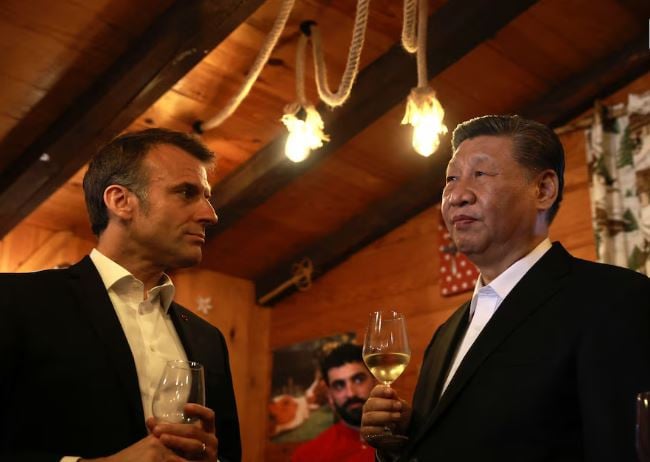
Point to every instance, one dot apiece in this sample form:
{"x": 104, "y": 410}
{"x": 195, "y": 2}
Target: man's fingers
{"x": 150, "y": 423}
{"x": 205, "y": 414}
{"x": 184, "y": 430}
{"x": 382, "y": 391}
{"x": 382, "y": 404}
{"x": 191, "y": 449}
{"x": 370, "y": 431}
{"x": 380, "y": 418}
{"x": 188, "y": 439}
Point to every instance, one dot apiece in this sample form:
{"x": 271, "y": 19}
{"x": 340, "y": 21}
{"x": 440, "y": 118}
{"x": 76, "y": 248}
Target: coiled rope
{"x": 258, "y": 65}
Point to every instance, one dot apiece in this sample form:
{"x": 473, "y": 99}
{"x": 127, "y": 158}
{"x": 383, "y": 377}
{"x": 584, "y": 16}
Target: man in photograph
{"x": 348, "y": 386}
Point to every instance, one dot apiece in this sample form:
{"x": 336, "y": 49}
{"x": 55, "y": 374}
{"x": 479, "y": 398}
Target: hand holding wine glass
{"x": 386, "y": 352}
{"x": 178, "y": 401}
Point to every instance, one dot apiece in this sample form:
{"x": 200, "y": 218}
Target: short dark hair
{"x": 535, "y": 146}
{"x": 343, "y": 354}
{"x": 120, "y": 162}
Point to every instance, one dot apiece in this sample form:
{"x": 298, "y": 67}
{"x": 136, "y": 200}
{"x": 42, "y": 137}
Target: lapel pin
{"x": 185, "y": 317}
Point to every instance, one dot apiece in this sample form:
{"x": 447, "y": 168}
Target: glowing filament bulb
{"x": 304, "y": 135}
{"x": 425, "y": 113}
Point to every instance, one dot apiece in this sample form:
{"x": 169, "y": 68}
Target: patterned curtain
{"x": 618, "y": 157}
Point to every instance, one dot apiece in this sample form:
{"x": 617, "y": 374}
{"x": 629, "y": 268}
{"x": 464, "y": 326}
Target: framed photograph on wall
{"x": 298, "y": 408}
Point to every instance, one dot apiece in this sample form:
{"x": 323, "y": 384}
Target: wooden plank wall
{"x": 400, "y": 271}
{"x": 32, "y": 248}
{"x": 246, "y": 328}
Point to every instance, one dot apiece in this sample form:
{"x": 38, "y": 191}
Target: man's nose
{"x": 461, "y": 193}
{"x": 350, "y": 389}
{"x": 207, "y": 215}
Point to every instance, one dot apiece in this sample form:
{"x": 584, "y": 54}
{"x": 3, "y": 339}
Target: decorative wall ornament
{"x": 457, "y": 273}
{"x": 301, "y": 277}
{"x": 204, "y": 304}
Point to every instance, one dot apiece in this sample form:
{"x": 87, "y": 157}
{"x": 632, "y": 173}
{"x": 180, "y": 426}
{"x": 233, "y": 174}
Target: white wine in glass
{"x": 386, "y": 367}
{"x": 386, "y": 352}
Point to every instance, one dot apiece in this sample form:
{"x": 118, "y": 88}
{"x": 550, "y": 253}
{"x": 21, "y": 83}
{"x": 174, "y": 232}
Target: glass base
{"x": 387, "y": 440}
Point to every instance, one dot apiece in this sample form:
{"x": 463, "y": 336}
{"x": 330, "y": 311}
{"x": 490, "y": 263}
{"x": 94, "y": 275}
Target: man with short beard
{"x": 348, "y": 386}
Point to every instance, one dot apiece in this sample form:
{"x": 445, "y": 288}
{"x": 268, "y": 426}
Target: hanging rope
{"x": 409, "y": 39}
{"x": 423, "y": 110}
{"x": 352, "y": 66}
{"x": 258, "y": 65}
{"x": 302, "y": 120}
{"x": 415, "y": 40}
{"x": 421, "y": 56}
{"x": 300, "y": 62}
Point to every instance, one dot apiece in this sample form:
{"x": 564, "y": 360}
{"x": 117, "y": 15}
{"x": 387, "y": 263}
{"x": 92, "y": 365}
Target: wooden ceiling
{"x": 76, "y": 73}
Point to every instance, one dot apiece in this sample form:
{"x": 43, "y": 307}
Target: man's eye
{"x": 450, "y": 178}
{"x": 188, "y": 193}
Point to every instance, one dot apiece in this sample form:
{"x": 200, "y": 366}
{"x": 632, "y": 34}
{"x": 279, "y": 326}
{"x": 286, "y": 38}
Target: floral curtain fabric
{"x": 618, "y": 157}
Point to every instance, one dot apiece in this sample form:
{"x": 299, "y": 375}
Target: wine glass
{"x": 643, "y": 426}
{"x": 386, "y": 352}
{"x": 182, "y": 382}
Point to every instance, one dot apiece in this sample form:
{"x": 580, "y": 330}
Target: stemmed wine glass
{"x": 182, "y": 382}
{"x": 643, "y": 426}
{"x": 386, "y": 352}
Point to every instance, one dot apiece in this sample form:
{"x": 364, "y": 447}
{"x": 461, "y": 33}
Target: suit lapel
{"x": 437, "y": 364}
{"x": 197, "y": 346}
{"x": 96, "y": 306}
{"x": 531, "y": 293}
{"x": 182, "y": 324}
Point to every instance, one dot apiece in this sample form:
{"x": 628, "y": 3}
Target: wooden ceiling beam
{"x": 169, "y": 48}
{"x": 454, "y": 30}
{"x": 564, "y": 102}
{"x": 577, "y": 95}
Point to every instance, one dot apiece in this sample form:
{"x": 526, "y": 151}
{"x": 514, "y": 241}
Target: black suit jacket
{"x": 552, "y": 377}
{"x": 68, "y": 383}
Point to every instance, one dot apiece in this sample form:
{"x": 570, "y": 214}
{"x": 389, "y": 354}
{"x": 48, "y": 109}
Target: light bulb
{"x": 297, "y": 148}
{"x": 425, "y": 134}
{"x": 304, "y": 135}
{"x": 425, "y": 113}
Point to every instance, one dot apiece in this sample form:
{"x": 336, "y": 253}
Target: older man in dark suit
{"x": 544, "y": 362}
{"x": 83, "y": 348}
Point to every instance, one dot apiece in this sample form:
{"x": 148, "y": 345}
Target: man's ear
{"x": 119, "y": 201}
{"x": 547, "y": 189}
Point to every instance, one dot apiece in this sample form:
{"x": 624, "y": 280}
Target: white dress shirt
{"x": 146, "y": 324}
{"x": 486, "y": 301}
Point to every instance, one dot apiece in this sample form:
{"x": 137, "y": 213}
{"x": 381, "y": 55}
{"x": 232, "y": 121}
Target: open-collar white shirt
{"x": 487, "y": 299}
{"x": 146, "y": 323}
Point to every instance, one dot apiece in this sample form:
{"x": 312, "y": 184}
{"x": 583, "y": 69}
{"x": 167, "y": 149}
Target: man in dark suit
{"x": 544, "y": 362}
{"x": 83, "y": 348}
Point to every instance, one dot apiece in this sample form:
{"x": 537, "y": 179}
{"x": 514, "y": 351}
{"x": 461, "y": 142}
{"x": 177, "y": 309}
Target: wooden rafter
{"x": 562, "y": 103}
{"x": 170, "y": 47}
{"x": 455, "y": 29}
{"x": 575, "y": 96}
